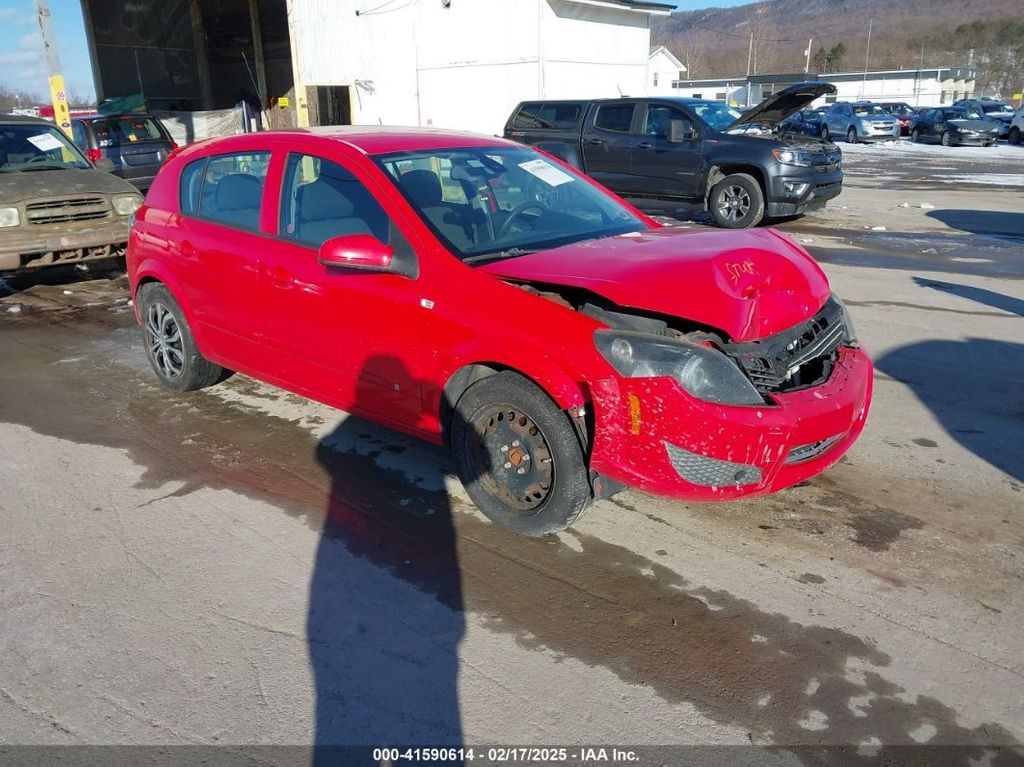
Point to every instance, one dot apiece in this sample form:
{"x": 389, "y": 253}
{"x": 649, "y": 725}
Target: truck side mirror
{"x": 678, "y": 132}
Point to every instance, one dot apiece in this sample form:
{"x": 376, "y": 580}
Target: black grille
{"x": 796, "y": 358}
{"x": 67, "y": 210}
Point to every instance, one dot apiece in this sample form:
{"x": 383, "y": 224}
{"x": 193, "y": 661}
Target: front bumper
{"x": 974, "y": 139}
{"x": 22, "y": 248}
{"x": 652, "y": 435}
{"x": 797, "y": 192}
{"x": 870, "y": 133}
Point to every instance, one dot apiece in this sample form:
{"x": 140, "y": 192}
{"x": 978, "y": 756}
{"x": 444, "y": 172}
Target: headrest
{"x": 423, "y": 186}
{"x": 323, "y": 200}
{"x": 239, "y": 191}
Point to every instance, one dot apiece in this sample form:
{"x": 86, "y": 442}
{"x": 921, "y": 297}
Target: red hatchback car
{"x": 478, "y": 293}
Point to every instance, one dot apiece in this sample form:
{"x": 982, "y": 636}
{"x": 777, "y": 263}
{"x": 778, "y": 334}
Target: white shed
{"x": 663, "y": 69}
{"x": 463, "y": 63}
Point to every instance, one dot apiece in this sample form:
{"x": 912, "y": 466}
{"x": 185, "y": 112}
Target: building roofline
{"x": 656, "y": 49}
{"x": 645, "y": 6}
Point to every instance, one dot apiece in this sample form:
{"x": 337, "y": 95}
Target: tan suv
{"x": 55, "y": 206}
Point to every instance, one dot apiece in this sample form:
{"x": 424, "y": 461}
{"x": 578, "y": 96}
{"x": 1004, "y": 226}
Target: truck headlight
{"x": 792, "y": 157}
{"x": 126, "y": 204}
{"x": 9, "y": 217}
{"x": 703, "y": 372}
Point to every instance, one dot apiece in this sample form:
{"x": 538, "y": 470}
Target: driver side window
{"x": 657, "y": 119}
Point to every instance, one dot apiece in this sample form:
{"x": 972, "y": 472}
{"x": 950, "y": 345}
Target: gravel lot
{"x": 241, "y": 566}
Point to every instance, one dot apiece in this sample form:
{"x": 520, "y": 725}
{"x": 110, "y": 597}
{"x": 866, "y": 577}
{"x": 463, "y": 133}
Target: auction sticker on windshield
{"x": 45, "y": 142}
{"x": 546, "y": 172}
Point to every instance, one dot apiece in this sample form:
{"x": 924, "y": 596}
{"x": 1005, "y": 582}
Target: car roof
{"x": 24, "y": 119}
{"x": 90, "y": 118}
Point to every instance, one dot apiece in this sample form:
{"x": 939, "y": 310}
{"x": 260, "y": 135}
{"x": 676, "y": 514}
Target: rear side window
{"x": 557, "y": 116}
{"x": 227, "y": 188}
{"x": 121, "y": 131}
{"x": 617, "y": 117}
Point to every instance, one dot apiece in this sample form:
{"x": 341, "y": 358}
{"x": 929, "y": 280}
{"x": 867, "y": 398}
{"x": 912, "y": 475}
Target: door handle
{"x": 645, "y": 145}
{"x": 280, "y": 277}
{"x": 594, "y": 141}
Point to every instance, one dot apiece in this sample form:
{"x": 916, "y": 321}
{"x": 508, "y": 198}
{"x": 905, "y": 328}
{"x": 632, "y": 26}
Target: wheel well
{"x": 718, "y": 172}
{"x": 468, "y": 375}
{"x": 146, "y": 281}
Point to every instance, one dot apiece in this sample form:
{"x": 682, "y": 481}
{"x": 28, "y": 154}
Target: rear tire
{"x": 851, "y": 135}
{"x": 170, "y": 347}
{"x": 518, "y": 456}
{"x": 1015, "y": 135}
{"x": 736, "y": 202}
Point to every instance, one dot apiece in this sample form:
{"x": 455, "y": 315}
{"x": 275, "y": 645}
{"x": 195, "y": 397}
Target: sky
{"x": 22, "y": 59}
{"x": 23, "y": 63}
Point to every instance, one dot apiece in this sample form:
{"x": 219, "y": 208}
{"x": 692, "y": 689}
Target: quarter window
{"x": 321, "y": 200}
{"x": 616, "y": 117}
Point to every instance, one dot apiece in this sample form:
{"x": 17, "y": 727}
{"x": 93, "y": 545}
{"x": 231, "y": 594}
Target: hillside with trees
{"x": 986, "y": 34}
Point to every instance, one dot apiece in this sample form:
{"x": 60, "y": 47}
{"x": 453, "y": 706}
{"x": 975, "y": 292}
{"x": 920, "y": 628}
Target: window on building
{"x": 616, "y": 117}
{"x": 320, "y": 200}
{"x": 697, "y": 96}
{"x": 830, "y": 99}
{"x": 721, "y": 96}
{"x": 655, "y": 83}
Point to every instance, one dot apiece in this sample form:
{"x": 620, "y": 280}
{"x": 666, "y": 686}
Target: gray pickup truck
{"x": 740, "y": 166}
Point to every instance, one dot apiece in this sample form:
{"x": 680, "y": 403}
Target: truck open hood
{"x": 750, "y": 284}
{"x": 778, "y": 107}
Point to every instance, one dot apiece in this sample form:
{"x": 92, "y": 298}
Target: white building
{"x": 663, "y": 69}
{"x": 917, "y": 87}
{"x": 462, "y": 63}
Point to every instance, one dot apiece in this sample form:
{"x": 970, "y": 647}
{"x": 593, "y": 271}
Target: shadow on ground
{"x": 997, "y": 223}
{"x": 978, "y": 295}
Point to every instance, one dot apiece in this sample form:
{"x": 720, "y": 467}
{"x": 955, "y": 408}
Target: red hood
{"x": 751, "y": 284}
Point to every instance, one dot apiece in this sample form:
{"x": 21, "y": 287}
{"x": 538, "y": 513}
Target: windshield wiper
{"x": 498, "y": 255}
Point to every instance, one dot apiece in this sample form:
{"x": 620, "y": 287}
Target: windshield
{"x": 716, "y": 116}
{"x": 961, "y": 114}
{"x": 489, "y": 202}
{"x": 996, "y": 108}
{"x": 863, "y": 110}
{"x": 31, "y": 146}
{"x": 898, "y": 109}
{"x": 117, "y": 131}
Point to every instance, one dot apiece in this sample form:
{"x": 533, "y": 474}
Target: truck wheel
{"x": 851, "y": 135}
{"x": 518, "y": 456}
{"x": 736, "y": 201}
{"x": 171, "y": 350}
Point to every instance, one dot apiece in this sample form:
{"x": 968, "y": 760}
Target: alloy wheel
{"x": 163, "y": 338}
{"x": 513, "y": 458}
{"x": 734, "y": 203}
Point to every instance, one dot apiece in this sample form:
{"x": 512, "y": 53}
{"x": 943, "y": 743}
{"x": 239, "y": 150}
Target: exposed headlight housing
{"x": 9, "y": 217}
{"x": 792, "y": 157}
{"x": 703, "y": 372}
{"x": 851, "y": 332}
{"x": 126, "y": 204}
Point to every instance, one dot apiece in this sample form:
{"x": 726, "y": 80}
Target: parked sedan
{"x": 807, "y": 122}
{"x": 137, "y": 144}
{"x": 860, "y": 121}
{"x": 55, "y": 207}
{"x": 476, "y": 292}
{"x": 903, "y": 113}
{"x": 953, "y": 126}
{"x": 997, "y": 111}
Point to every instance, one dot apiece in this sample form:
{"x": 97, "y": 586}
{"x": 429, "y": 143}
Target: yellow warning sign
{"x": 61, "y": 112}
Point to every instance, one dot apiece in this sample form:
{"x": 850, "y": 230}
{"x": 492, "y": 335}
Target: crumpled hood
{"x": 19, "y": 186}
{"x": 751, "y": 284}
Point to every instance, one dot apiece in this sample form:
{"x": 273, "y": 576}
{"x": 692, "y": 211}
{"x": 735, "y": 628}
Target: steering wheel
{"x": 516, "y": 212}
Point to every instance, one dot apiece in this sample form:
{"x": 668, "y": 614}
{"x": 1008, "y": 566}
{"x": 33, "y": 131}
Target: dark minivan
{"x": 740, "y": 166}
{"x": 137, "y": 144}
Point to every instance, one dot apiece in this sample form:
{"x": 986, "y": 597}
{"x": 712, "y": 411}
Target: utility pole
{"x": 920, "y": 72}
{"x": 807, "y": 53}
{"x": 867, "y": 53}
{"x": 58, "y": 94}
{"x": 750, "y": 58}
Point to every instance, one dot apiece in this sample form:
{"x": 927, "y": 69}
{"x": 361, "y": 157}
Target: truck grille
{"x": 797, "y": 358}
{"x": 67, "y": 210}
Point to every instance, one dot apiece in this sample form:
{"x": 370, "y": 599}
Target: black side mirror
{"x": 678, "y": 132}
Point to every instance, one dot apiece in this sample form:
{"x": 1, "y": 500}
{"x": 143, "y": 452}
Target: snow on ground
{"x": 993, "y": 179}
{"x": 904, "y": 148}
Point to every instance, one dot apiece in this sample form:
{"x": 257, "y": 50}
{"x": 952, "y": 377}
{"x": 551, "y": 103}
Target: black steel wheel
{"x": 170, "y": 347}
{"x": 518, "y": 456}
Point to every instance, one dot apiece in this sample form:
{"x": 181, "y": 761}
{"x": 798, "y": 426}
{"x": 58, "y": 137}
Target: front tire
{"x": 1015, "y": 135}
{"x": 851, "y": 135}
{"x": 946, "y": 140}
{"x": 518, "y": 456}
{"x": 170, "y": 347}
{"x": 915, "y": 136}
{"x": 825, "y": 134}
{"x": 736, "y": 202}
